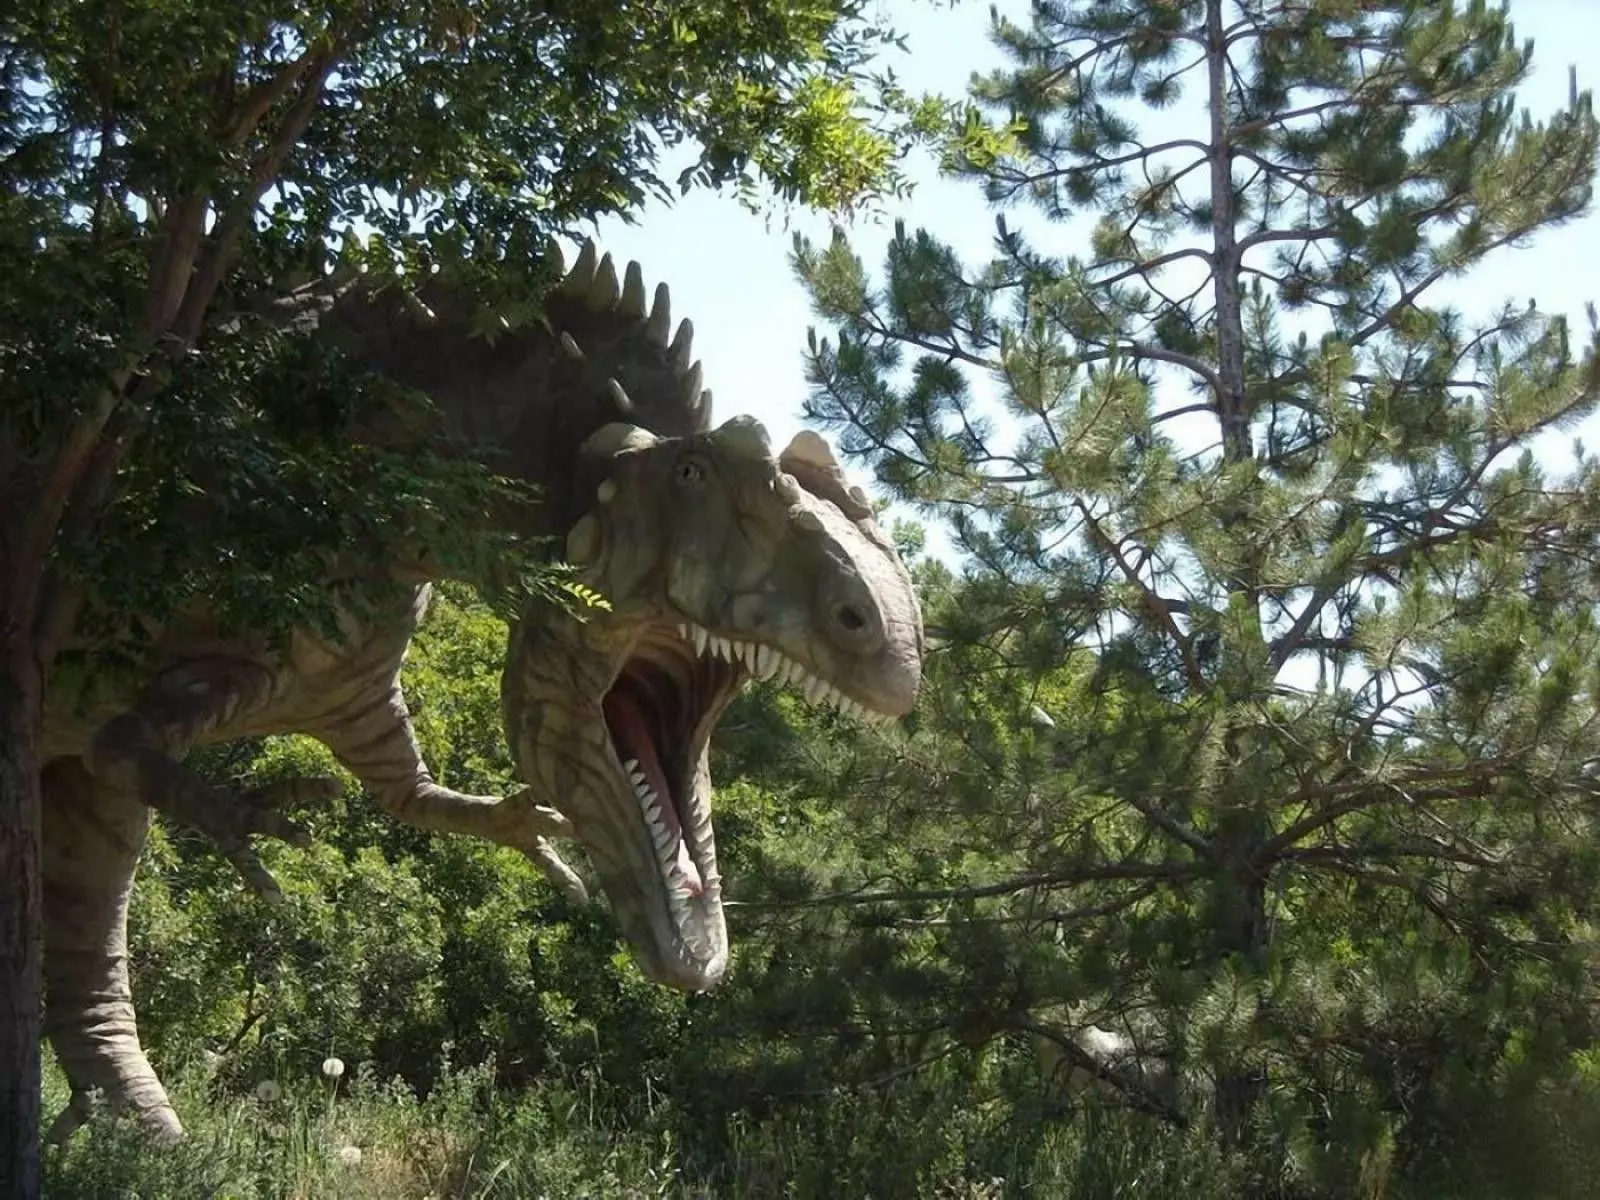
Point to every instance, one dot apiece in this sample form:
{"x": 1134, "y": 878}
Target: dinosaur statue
{"x": 720, "y": 562}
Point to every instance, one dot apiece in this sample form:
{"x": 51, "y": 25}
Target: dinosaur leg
{"x": 137, "y": 753}
{"x": 92, "y": 838}
{"x": 374, "y": 739}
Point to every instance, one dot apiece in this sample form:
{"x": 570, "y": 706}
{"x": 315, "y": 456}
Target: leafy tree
{"x": 1274, "y": 663}
{"x": 164, "y": 165}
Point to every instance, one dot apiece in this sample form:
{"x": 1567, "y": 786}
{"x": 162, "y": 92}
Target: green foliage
{"x": 1257, "y": 727}
{"x": 179, "y": 181}
{"x": 1261, "y": 725}
{"x": 561, "y": 1139}
{"x": 492, "y": 124}
{"x": 394, "y": 947}
{"x": 500, "y": 1042}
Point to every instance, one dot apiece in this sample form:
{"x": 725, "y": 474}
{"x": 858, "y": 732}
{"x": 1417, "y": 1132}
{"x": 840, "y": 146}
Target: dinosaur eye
{"x": 689, "y": 472}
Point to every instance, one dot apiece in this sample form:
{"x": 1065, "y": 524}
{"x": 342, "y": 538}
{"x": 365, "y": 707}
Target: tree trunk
{"x": 1240, "y": 920}
{"x": 1243, "y": 931}
{"x": 21, "y": 927}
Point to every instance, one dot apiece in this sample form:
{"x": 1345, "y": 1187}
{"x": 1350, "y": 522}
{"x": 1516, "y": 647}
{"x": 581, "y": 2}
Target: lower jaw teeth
{"x": 682, "y": 876}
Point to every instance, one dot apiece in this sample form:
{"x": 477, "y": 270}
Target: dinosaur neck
{"x": 523, "y": 401}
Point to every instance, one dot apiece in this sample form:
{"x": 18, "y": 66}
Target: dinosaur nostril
{"x": 850, "y": 618}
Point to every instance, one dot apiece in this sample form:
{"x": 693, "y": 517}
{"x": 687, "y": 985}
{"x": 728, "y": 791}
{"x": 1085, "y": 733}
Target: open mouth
{"x": 660, "y": 711}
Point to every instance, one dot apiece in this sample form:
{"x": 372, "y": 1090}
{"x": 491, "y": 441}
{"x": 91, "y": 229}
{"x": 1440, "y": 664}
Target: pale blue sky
{"x": 730, "y": 274}
{"x": 729, "y": 270}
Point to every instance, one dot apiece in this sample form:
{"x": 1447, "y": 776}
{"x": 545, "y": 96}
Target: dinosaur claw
{"x": 295, "y": 791}
{"x": 543, "y": 820}
{"x": 298, "y": 838}
{"x": 557, "y": 872}
{"x": 256, "y": 877}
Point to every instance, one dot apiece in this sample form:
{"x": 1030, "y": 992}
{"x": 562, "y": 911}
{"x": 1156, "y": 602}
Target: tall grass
{"x": 566, "y": 1138}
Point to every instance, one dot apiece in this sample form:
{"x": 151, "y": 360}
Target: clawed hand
{"x": 542, "y": 822}
{"x": 515, "y": 821}
{"x": 259, "y": 812}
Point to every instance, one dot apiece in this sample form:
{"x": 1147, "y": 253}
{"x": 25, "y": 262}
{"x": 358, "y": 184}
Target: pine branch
{"x": 1097, "y": 162}
{"x": 1111, "y": 872}
{"x": 1418, "y": 890}
{"x": 1432, "y": 782}
{"x": 1248, "y": 129}
{"x": 1152, "y": 600}
{"x": 1064, "y": 916}
{"x": 1423, "y": 848}
{"x": 1154, "y": 264}
{"x": 1266, "y": 236}
{"x": 1143, "y": 351}
{"x": 1139, "y": 1097}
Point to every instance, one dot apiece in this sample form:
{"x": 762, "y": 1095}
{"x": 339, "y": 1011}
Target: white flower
{"x": 268, "y": 1091}
{"x": 333, "y": 1067}
{"x": 349, "y": 1156}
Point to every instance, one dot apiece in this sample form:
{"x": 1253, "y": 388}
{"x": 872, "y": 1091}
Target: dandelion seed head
{"x": 349, "y": 1156}
{"x": 333, "y": 1067}
{"x": 268, "y": 1091}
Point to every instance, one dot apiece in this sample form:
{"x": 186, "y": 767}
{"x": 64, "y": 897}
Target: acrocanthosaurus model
{"x": 721, "y": 562}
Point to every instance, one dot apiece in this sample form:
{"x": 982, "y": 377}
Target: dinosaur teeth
{"x": 768, "y": 662}
{"x": 678, "y": 869}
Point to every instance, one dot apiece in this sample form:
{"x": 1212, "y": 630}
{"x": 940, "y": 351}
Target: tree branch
{"x": 1153, "y": 601}
{"x": 1047, "y": 879}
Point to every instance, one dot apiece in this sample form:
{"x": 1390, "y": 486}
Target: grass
{"x": 360, "y": 1138}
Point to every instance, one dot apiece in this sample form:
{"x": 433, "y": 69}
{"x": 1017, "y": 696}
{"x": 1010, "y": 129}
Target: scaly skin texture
{"x": 722, "y": 563}
{"x": 541, "y": 404}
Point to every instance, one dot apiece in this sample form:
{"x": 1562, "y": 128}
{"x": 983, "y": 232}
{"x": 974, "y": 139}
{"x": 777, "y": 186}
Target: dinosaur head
{"x": 721, "y": 562}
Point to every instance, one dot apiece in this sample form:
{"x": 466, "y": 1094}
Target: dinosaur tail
{"x": 92, "y": 838}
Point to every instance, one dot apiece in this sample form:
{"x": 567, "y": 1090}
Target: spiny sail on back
{"x": 722, "y": 563}
{"x": 525, "y": 394}
{"x": 599, "y": 316}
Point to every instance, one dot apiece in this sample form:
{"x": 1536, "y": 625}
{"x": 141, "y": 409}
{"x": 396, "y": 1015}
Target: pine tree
{"x": 1264, "y": 513}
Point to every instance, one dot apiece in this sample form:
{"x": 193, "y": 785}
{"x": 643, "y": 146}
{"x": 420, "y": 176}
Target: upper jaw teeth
{"x": 768, "y": 662}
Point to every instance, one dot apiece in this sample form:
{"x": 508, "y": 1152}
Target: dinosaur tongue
{"x": 636, "y": 712}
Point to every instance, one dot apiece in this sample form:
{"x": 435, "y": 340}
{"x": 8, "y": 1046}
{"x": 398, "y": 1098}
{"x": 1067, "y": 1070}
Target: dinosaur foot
{"x": 159, "y": 1124}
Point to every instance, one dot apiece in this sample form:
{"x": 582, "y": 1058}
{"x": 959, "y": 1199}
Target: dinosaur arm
{"x": 375, "y": 741}
{"x": 137, "y": 753}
